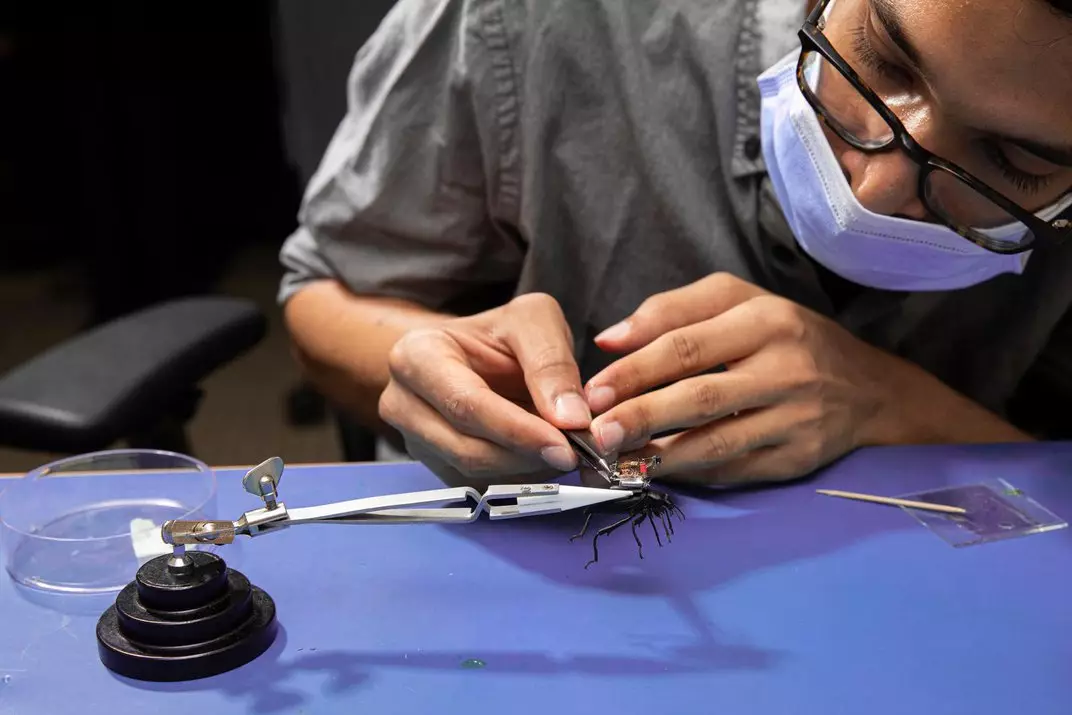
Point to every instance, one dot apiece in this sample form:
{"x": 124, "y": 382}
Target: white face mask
{"x": 829, "y": 223}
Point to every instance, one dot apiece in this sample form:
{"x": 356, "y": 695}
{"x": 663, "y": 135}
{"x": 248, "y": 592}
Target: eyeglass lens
{"x": 860, "y": 124}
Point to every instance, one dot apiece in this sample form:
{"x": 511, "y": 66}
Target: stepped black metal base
{"x": 183, "y": 619}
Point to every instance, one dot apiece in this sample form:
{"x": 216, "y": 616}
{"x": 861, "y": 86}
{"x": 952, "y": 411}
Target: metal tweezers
{"x": 431, "y": 506}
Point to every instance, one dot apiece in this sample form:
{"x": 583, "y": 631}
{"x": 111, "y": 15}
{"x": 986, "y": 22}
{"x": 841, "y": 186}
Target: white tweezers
{"x": 429, "y": 506}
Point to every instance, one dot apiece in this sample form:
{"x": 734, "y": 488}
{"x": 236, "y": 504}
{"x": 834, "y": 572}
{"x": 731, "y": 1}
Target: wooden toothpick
{"x": 894, "y": 502}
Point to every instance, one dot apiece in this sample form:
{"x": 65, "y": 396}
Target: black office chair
{"x": 133, "y": 379}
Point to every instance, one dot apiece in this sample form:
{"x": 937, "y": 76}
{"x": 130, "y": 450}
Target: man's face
{"x": 986, "y": 84}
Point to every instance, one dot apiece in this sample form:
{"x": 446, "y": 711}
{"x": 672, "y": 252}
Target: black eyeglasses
{"x": 949, "y": 192}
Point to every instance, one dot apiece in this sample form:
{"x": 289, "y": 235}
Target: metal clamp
{"x": 262, "y": 481}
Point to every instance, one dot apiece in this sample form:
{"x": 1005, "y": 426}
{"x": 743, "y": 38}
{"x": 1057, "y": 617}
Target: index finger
{"x": 677, "y": 308}
{"x": 681, "y": 353}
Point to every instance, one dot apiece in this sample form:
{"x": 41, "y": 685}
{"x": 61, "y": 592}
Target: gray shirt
{"x": 602, "y": 151}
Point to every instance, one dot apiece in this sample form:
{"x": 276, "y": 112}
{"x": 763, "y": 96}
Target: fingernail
{"x": 615, "y": 332}
{"x": 560, "y": 458}
{"x": 571, "y": 407}
{"x": 611, "y": 436}
{"x": 601, "y": 399}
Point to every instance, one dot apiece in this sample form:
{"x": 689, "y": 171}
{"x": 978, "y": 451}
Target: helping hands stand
{"x": 187, "y": 615}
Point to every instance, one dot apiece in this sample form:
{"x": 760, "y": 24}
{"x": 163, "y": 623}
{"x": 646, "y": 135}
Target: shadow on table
{"x": 270, "y": 684}
{"x": 725, "y": 535}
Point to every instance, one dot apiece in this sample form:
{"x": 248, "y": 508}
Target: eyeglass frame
{"x": 812, "y": 39}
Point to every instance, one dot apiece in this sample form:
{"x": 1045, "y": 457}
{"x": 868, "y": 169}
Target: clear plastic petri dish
{"x": 84, "y": 524}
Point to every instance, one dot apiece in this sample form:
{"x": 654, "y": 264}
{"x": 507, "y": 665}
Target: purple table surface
{"x": 768, "y": 601}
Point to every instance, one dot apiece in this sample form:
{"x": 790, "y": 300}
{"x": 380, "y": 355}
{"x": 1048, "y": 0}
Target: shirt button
{"x": 752, "y": 148}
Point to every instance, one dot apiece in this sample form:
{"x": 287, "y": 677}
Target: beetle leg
{"x": 636, "y": 536}
{"x": 587, "y": 518}
{"x": 601, "y": 532}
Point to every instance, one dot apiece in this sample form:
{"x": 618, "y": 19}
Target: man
{"x": 696, "y": 260}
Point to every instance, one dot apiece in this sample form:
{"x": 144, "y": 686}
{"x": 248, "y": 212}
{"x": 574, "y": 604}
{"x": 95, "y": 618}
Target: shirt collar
{"x": 768, "y": 31}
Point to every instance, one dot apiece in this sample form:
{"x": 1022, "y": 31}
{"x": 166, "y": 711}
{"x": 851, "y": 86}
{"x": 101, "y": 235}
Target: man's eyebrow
{"x": 886, "y": 11}
{"x": 891, "y": 22}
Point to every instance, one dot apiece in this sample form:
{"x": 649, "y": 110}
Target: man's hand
{"x": 478, "y": 400}
{"x": 798, "y": 390}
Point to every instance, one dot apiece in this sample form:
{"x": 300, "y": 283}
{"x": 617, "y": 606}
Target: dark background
{"x": 147, "y": 155}
{"x": 149, "y": 149}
